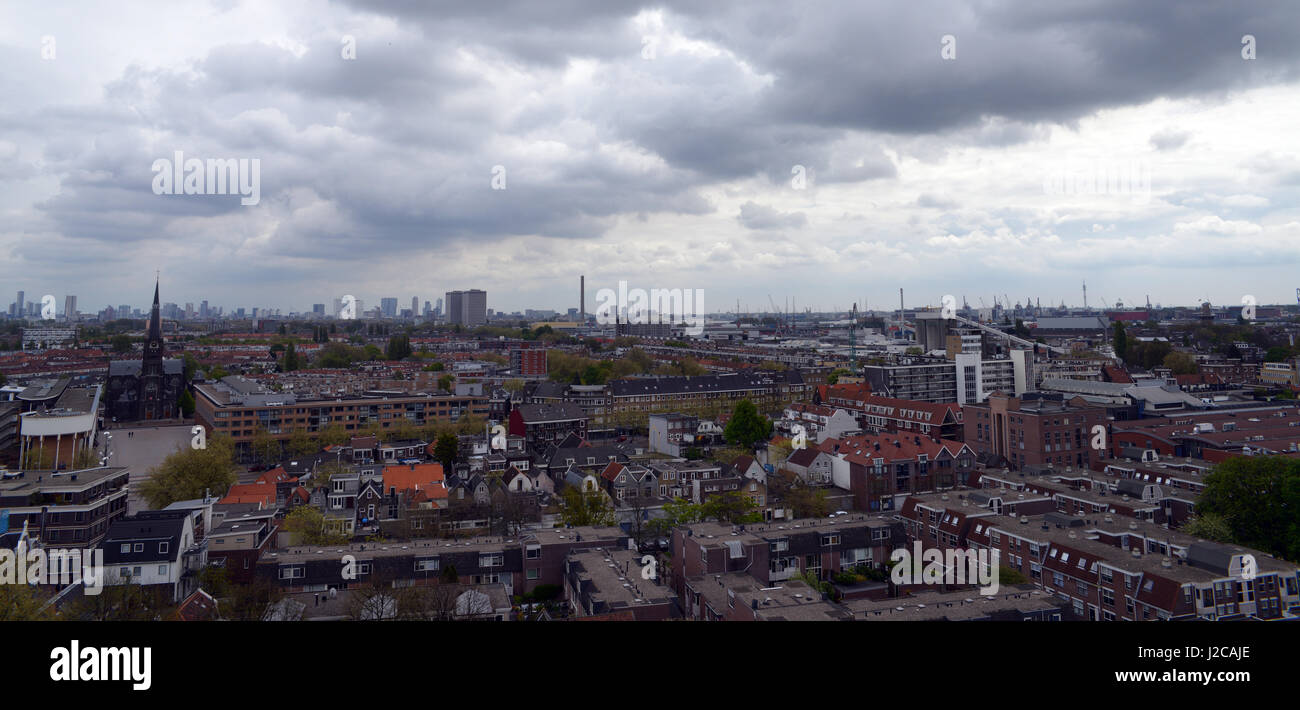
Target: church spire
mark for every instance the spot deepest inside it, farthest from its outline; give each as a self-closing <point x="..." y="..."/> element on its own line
<point x="155" y="324"/>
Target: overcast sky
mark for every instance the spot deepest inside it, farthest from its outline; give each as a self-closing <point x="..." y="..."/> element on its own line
<point x="827" y="152"/>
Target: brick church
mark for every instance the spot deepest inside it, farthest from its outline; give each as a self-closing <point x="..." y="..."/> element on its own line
<point x="148" y="388"/>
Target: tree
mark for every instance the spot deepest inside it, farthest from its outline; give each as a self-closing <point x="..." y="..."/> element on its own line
<point x="266" y="448"/>
<point x="21" y="602"/>
<point x="747" y="427"/>
<point x="301" y="443"/>
<point x="1208" y="526"/>
<point x="121" y="343"/>
<point x="513" y="386"/>
<point x="1119" y="336"/>
<point x="190" y="473"/>
<point x="1180" y="363"/>
<point x="333" y="435"/>
<point x="309" y="522"/>
<point x="731" y="507"/>
<point x="291" y="359"/>
<point x="1257" y="496"/>
<point x="445" y="450"/>
<point x="586" y="508"/>
<point x="186" y="403"/>
<point x="445" y="383"/>
<point x="399" y="347"/>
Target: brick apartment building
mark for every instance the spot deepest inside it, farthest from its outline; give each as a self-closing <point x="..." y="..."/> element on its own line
<point x="528" y="362"/>
<point x="879" y="469"/>
<point x="1034" y="429"/>
<point x="240" y="408"/>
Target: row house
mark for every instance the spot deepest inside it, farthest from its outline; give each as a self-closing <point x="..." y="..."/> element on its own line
<point x="677" y="478"/>
<point x="775" y="552"/>
<point x="819" y="422"/>
<point x="880" y="469"/>
<point x="519" y="563"/>
<point x="1106" y="570"/>
<point x="157" y="550"/>
<point x="542" y="425"/>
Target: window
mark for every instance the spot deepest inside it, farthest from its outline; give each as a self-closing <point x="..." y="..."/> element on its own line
<point x="428" y="564"/>
<point x="162" y="548"/>
<point x="830" y="540"/>
<point x="534" y="552"/>
<point x="292" y="572"/>
<point x="126" y="548"/>
<point x="491" y="560"/>
<point x="533" y="573"/>
<point x="162" y="570"/>
<point x="139" y="547"/>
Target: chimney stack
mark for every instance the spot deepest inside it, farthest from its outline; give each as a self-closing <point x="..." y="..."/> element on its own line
<point x="582" y="299"/>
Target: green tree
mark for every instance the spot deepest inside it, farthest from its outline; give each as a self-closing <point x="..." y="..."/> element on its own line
<point x="190" y="473"/>
<point x="291" y="359"/>
<point x="333" y="435"/>
<point x="266" y="448"/>
<point x="1208" y="526"/>
<point x="186" y="403"/>
<point x="1180" y="363"/>
<point x="586" y="508"/>
<point x="1258" y="497"/>
<point x="121" y="343"/>
<point x="445" y="450"/>
<point x="21" y="602"/>
<point x="731" y="507"/>
<point x="445" y="383"/>
<point x="399" y="347"/>
<point x="301" y="443"/>
<point x="747" y="427"/>
<point x="1120" y="337"/>
<point x="309" y="522"/>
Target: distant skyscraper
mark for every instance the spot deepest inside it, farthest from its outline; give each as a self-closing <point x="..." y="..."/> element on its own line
<point x="123" y="311"/>
<point x="467" y="308"/>
<point x="388" y="306"/>
<point x="318" y="309"/>
<point x="70" y="308"/>
<point x="428" y="310"/>
<point x="21" y="305"/>
<point x="415" y="305"/>
<point x="437" y="310"/>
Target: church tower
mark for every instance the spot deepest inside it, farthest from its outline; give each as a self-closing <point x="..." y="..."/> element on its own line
<point x="151" y="371"/>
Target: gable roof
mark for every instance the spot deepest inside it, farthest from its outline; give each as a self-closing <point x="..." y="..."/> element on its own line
<point x="261" y="493"/>
<point x="416" y="476"/>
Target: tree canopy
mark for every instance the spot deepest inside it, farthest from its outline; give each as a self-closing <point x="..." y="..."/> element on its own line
<point x="1257" y="497"/>
<point x="188" y="473"/>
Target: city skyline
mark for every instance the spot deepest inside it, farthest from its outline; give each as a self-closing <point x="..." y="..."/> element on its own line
<point x="947" y="156"/>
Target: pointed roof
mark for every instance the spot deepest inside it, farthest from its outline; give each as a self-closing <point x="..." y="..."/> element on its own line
<point x="155" y="316"/>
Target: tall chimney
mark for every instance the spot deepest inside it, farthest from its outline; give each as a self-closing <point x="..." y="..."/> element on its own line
<point x="582" y="299"/>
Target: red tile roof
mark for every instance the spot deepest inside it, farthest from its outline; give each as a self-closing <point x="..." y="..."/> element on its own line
<point x="427" y="477"/>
